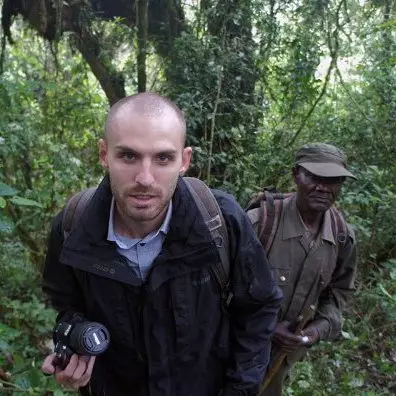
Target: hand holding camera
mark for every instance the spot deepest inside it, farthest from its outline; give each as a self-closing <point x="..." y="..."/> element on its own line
<point x="82" y="338"/>
<point x="76" y="347"/>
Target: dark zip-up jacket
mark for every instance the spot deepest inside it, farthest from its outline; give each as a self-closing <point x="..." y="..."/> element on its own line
<point x="170" y="336"/>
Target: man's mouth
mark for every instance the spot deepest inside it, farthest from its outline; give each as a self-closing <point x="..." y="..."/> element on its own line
<point x="140" y="199"/>
<point x="321" y="198"/>
<point x="143" y="197"/>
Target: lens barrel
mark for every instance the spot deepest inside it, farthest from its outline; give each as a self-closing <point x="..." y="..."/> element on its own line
<point x="89" y="338"/>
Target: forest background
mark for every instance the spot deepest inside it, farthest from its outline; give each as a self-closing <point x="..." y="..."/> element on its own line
<point x="256" y="79"/>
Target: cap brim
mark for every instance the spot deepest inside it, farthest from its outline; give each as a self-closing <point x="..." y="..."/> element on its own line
<point x="326" y="169"/>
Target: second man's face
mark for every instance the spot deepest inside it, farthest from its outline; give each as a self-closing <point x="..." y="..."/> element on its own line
<point x="144" y="156"/>
<point x="316" y="193"/>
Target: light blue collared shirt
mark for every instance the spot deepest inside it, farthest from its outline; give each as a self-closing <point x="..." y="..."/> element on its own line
<point x="140" y="252"/>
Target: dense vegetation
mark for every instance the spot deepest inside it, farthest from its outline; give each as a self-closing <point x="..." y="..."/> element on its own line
<point x="256" y="78"/>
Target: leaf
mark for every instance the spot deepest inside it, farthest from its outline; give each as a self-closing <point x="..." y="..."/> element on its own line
<point x="302" y="384"/>
<point x="3" y="203"/>
<point x="25" y="202"/>
<point x="35" y="377"/>
<point x="357" y="382"/>
<point x="6" y="190"/>
<point x="382" y="288"/>
<point x="346" y="335"/>
<point x="5" y="226"/>
<point x="22" y="381"/>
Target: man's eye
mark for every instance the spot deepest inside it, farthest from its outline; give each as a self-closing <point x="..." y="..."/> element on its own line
<point x="336" y="180"/>
<point x="164" y="158"/>
<point x="128" y="156"/>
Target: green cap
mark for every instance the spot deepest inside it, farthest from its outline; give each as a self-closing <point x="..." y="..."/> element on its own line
<point x="323" y="160"/>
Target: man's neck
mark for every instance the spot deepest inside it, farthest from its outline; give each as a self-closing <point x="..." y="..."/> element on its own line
<point x="136" y="229"/>
<point x="312" y="220"/>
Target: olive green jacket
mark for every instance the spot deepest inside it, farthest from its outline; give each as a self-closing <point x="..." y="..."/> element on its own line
<point x="319" y="273"/>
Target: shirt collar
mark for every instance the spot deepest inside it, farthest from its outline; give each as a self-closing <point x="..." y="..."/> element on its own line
<point x="293" y="225"/>
<point x="327" y="228"/>
<point x="125" y="242"/>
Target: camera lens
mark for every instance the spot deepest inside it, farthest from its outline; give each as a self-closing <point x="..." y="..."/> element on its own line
<point x="89" y="338"/>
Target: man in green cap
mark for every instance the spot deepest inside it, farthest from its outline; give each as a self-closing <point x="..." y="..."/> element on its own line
<point x="312" y="253"/>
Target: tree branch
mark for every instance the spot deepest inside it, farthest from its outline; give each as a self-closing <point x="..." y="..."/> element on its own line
<point x="334" y="56"/>
<point x="111" y="82"/>
<point x="318" y="99"/>
<point x="212" y="127"/>
<point x="361" y="111"/>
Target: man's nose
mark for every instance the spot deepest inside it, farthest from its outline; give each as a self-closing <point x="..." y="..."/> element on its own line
<point x="145" y="176"/>
<point x="322" y="186"/>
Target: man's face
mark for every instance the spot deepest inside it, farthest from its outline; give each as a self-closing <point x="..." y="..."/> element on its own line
<point x="144" y="156"/>
<point x="314" y="193"/>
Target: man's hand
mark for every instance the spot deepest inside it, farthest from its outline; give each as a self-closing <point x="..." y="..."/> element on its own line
<point x="76" y="374"/>
<point x="285" y="339"/>
<point x="311" y="335"/>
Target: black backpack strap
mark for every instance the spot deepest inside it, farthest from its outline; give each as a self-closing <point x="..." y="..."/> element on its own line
<point x="74" y="209"/>
<point x="211" y="213"/>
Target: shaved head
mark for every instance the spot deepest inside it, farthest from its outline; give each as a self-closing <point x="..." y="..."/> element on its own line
<point x="147" y="105"/>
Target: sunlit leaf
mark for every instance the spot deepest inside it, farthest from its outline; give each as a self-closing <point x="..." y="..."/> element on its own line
<point x="382" y="288"/>
<point x="20" y="201"/>
<point x="356" y="382"/>
<point x="303" y="384"/>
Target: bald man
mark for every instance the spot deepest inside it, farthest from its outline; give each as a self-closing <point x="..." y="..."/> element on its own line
<point x="140" y="261"/>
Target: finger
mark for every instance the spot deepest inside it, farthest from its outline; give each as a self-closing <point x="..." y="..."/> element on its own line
<point x="64" y="376"/>
<point x="310" y="335"/>
<point x="91" y="363"/>
<point x="80" y="369"/>
<point x="87" y="375"/>
<point x="48" y="367"/>
<point x="289" y="338"/>
<point x="290" y="345"/>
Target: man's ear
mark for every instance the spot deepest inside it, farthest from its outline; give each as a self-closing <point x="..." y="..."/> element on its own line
<point x="103" y="153"/>
<point x="187" y="153"/>
<point x="295" y="172"/>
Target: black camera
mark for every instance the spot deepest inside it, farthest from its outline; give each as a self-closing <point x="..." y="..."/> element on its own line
<point x="82" y="338"/>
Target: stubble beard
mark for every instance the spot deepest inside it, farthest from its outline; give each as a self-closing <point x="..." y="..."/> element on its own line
<point x="139" y="215"/>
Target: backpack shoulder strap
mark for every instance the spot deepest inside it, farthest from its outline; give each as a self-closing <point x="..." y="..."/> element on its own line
<point x="340" y="226"/>
<point x="74" y="209"/>
<point x="211" y="212"/>
<point x="270" y="213"/>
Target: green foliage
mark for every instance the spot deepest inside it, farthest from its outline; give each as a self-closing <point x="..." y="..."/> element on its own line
<point x="25" y="326"/>
<point x="11" y="198"/>
<point x="50" y="122"/>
